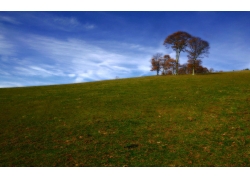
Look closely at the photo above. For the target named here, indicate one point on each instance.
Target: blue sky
(44, 48)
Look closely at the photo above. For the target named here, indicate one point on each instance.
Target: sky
(63, 47)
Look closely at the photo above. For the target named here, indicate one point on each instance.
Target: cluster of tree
(180, 41)
(165, 65)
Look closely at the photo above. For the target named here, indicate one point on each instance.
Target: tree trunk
(177, 62)
(193, 66)
(158, 68)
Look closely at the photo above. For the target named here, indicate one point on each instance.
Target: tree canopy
(156, 63)
(181, 41)
(196, 49)
(178, 42)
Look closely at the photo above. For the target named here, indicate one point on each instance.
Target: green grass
(185, 120)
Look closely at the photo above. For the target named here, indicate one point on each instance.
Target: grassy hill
(185, 120)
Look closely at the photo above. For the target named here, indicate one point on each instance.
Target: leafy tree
(196, 49)
(205, 70)
(164, 64)
(156, 63)
(195, 65)
(178, 42)
(169, 72)
(183, 69)
(211, 70)
(171, 65)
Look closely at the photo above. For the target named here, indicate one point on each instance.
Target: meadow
(154, 121)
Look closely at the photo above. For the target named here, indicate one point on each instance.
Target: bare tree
(196, 49)
(178, 42)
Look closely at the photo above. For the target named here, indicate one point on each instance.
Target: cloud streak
(83, 61)
(39, 48)
(9, 20)
(6, 47)
(69, 24)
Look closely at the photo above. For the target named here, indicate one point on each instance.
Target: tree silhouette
(178, 42)
(196, 48)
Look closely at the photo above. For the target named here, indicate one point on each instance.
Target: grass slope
(184, 120)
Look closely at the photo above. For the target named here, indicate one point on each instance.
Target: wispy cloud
(230, 54)
(4, 73)
(40, 70)
(49, 21)
(70, 23)
(65, 23)
(4, 84)
(84, 61)
(9, 20)
(89, 26)
(6, 47)
(57, 48)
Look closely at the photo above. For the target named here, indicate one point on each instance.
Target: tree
(164, 64)
(171, 64)
(211, 70)
(205, 70)
(195, 65)
(183, 69)
(178, 42)
(196, 48)
(156, 63)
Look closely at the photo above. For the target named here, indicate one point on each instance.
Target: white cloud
(9, 20)
(68, 23)
(71, 75)
(37, 70)
(79, 79)
(232, 54)
(73, 59)
(4, 84)
(86, 61)
(6, 47)
(51, 21)
(89, 26)
(2, 72)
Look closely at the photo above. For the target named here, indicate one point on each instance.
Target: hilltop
(184, 120)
